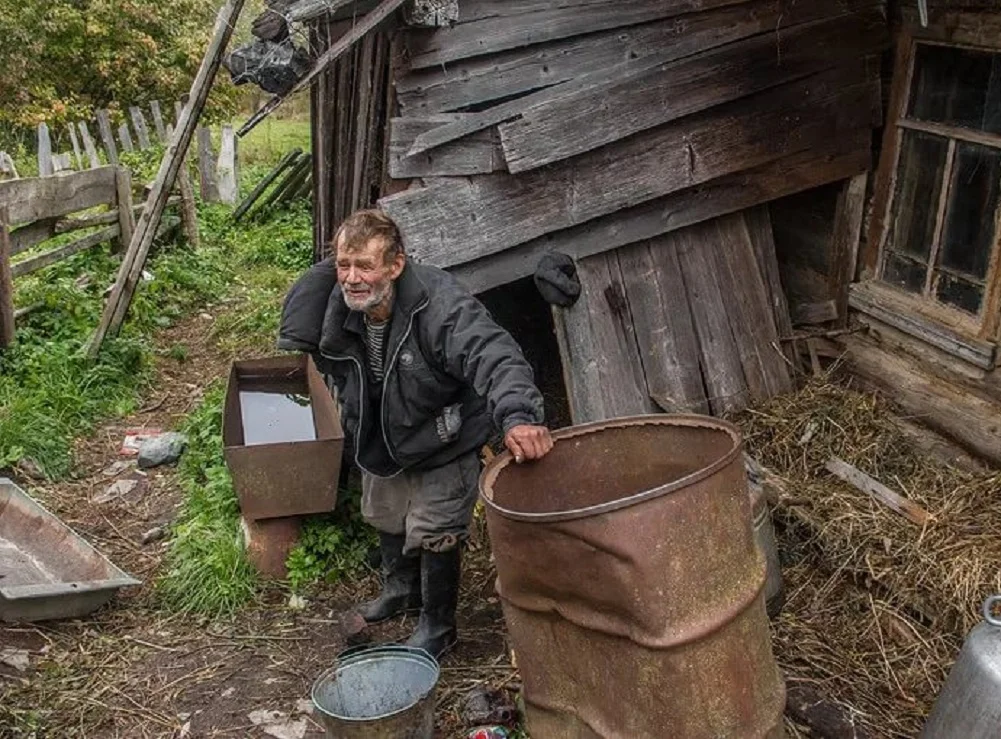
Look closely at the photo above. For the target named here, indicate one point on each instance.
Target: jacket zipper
(392, 362)
(361, 405)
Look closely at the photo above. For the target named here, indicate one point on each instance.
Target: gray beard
(371, 302)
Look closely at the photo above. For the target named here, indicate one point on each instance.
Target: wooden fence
(218, 173)
(35, 210)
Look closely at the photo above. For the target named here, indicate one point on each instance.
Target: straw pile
(940, 572)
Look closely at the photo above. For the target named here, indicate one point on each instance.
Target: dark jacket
(452, 374)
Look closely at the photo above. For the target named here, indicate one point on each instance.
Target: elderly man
(423, 375)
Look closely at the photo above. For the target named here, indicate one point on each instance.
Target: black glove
(556, 279)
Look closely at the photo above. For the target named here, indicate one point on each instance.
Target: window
(941, 234)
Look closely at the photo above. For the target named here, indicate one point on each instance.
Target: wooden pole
(6, 282)
(135, 258)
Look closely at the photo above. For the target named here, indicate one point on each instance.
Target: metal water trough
(283, 478)
(47, 571)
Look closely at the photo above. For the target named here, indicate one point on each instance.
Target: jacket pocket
(448, 423)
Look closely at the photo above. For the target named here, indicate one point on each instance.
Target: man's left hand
(528, 442)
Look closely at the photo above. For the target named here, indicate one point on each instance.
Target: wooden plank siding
(452, 222)
(477, 154)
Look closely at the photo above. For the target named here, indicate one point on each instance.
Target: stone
(16, 658)
(154, 534)
(163, 449)
(117, 489)
(30, 468)
(116, 468)
(278, 724)
(297, 603)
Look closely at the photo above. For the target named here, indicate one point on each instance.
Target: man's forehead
(373, 247)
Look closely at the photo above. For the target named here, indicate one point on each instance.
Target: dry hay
(943, 570)
(860, 651)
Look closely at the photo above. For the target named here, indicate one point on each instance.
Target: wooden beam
(878, 491)
(63, 252)
(452, 222)
(492, 34)
(371, 21)
(6, 282)
(479, 153)
(135, 258)
(518, 71)
(595, 117)
(835, 159)
(848, 217)
(35, 198)
(104, 127)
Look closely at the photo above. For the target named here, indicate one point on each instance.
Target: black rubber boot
(440, 575)
(401, 587)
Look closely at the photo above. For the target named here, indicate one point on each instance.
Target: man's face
(365, 277)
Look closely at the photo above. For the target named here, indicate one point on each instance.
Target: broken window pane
(919, 182)
(904, 273)
(958, 87)
(973, 202)
(959, 293)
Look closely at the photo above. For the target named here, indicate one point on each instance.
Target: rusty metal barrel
(631, 585)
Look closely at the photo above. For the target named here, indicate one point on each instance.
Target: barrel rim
(354, 657)
(493, 469)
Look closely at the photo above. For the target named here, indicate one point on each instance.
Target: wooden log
(135, 257)
(126, 217)
(662, 320)
(814, 313)
(848, 216)
(77, 154)
(107, 137)
(492, 34)
(88, 145)
(878, 491)
(593, 118)
(833, 160)
(479, 153)
(125, 137)
(6, 281)
(452, 222)
(45, 259)
(722, 371)
(36, 198)
(141, 128)
(518, 71)
(161, 130)
(227, 182)
(44, 151)
(206, 166)
(286, 161)
(369, 23)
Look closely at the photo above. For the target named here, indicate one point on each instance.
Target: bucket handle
(989, 616)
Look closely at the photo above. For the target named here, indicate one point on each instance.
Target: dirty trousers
(431, 507)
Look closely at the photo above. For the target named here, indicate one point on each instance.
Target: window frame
(986, 325)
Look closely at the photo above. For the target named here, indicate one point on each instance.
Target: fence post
(161, 132)
(104, 126)
(226, 171)
(44, 151)
(6, 282)
(88, 145)
(206, 166)
(126, 216)
(142, 130)
(76, 146)
(125, 137)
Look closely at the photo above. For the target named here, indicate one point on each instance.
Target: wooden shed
(704, 162)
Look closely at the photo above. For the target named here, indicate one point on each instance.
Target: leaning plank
(458, 221)
(88, 145)
(44, 151)
(161, 129)
(517, 71)
(369, 23)
(833, 160)
(35, 198)
(592, 118)
(57, 255)
(492, 34)
(125, 136)
(142, 129)
(858, 479)
(662, 320)
(848, 218)
(720, 358)
(77, 155)
(479, 153)
(759, 228)
(287, 161)
(135, 257)
(6, 282)
(107, 138)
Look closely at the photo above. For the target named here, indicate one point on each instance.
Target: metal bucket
(764, 537)
(631, 585)
(378, 693)
(968, 706)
